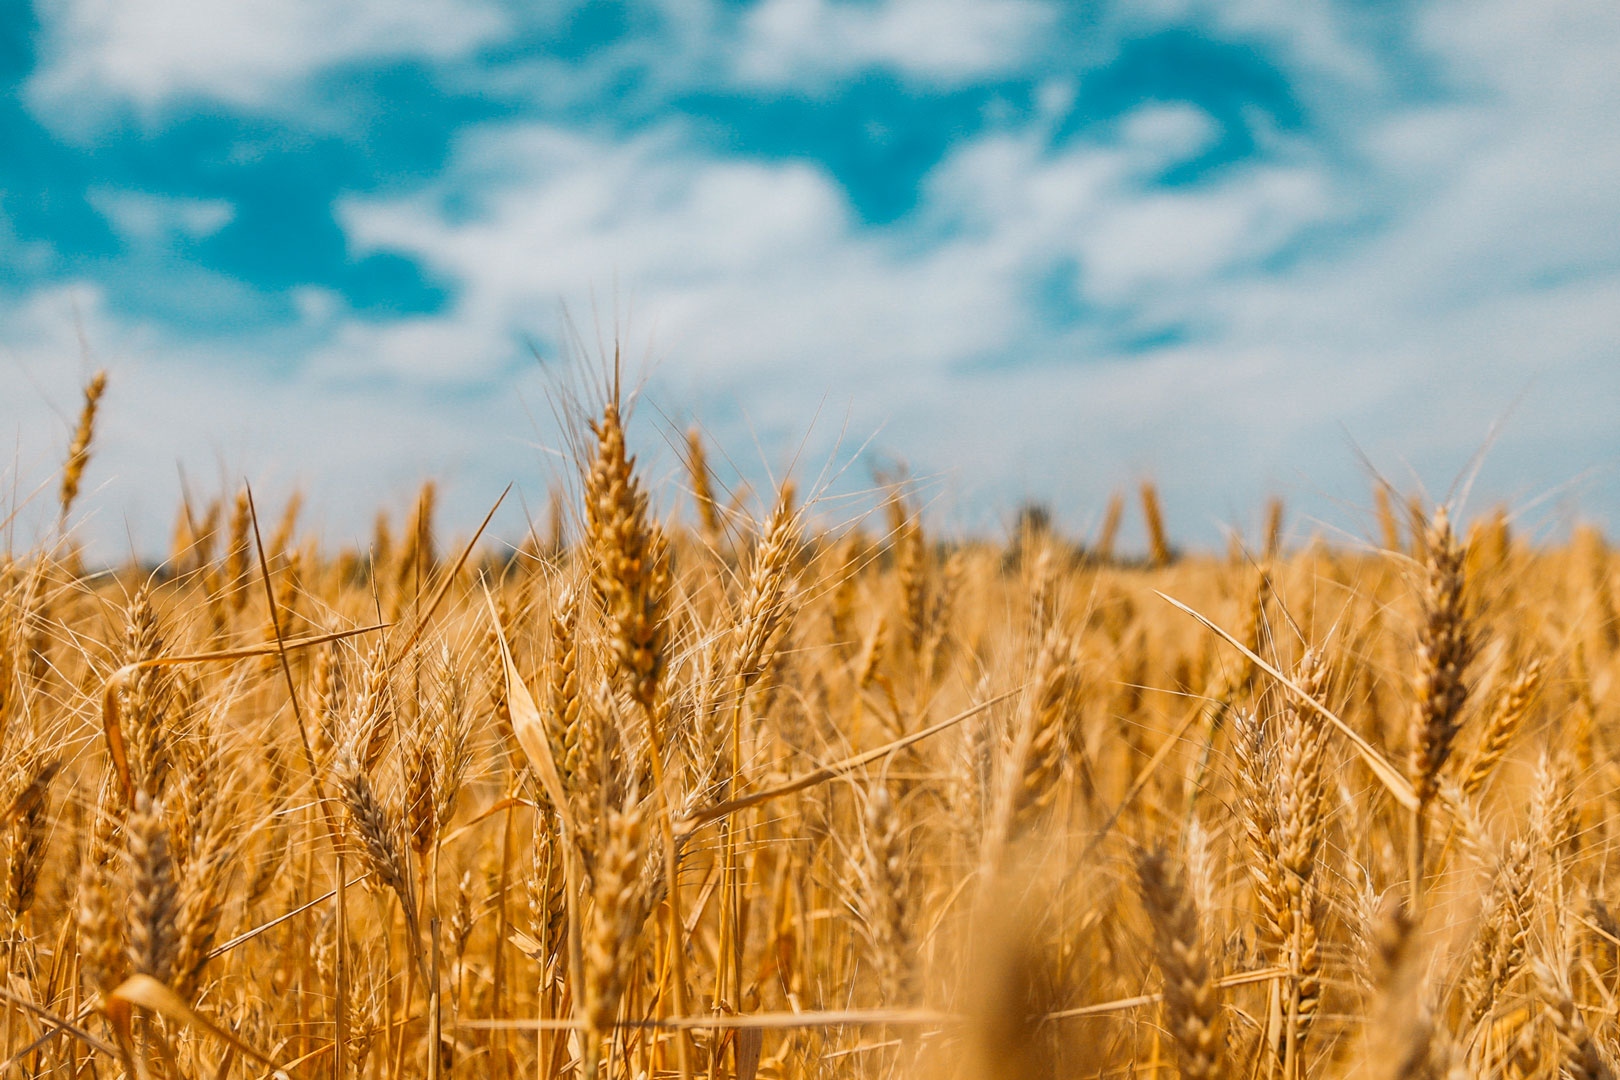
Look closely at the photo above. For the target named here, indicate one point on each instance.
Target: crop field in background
(680, 788)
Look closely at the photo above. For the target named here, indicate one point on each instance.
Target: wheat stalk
(79, 449)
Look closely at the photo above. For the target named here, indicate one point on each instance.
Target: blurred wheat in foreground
(763, 796)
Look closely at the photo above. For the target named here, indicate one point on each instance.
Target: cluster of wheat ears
(763, 796)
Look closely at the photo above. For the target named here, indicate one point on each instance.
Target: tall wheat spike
(78, 457)
(1446, 646)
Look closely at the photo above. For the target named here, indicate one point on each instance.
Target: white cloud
(1167, 134)
(148, 53)
(946, 41)
(680, 232)
(24, 258)
(1176, 238)
(1136, 241)
(754, 267)
(148, 218)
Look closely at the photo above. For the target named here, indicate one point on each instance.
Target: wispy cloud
(153, 55)
(799, 42)
(142, 217)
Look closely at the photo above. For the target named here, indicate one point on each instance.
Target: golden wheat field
(679, 789)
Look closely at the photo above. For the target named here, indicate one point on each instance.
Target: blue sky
(1033, 249)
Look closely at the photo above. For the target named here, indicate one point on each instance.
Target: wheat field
(679, 788)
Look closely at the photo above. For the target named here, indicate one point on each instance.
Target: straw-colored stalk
(1445, 647)
(79, 449)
